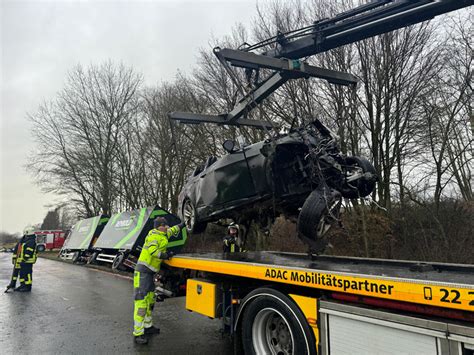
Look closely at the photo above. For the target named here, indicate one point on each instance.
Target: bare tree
(78, 135)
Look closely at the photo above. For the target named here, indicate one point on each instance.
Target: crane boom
(365, 21)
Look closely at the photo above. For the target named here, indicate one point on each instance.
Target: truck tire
(320, 210)
(361, 187)
(190, 218)
(92, 258)
(40, 248)
(76, 257)
(273, 324)
(117, 264)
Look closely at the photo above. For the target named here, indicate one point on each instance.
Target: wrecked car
(301, 174)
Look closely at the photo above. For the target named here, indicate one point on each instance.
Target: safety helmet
(233, 226)
(28, 231)
(160, 221)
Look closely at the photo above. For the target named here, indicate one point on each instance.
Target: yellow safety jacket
(155, 243)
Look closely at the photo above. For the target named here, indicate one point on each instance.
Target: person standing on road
(24, 257)
(16, 265)
(149, 262)
(231, 242)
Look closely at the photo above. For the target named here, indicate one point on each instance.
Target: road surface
(77, 310)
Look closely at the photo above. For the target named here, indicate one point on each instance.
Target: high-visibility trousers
(26, 274)
(144, 294)
(15, 273)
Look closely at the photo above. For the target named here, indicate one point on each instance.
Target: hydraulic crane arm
(362, 22)
(284, 70)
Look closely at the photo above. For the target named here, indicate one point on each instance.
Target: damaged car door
(230, 181)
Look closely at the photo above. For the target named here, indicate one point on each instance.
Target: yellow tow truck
(287, 303)
(282, 303)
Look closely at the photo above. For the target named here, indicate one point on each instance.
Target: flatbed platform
(433, 284)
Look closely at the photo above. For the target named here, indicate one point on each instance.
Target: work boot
(141, 339)
(9, 287)
(152, 330)
(23, 288)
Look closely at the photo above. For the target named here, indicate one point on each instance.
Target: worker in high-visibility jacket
(25, 258)
(16, 265)
(232, 242)
(149, 262)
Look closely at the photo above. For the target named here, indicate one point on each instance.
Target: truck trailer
(121, 241)
(82, 237)
(289, 303)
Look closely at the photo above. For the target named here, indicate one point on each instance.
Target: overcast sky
(42, 40)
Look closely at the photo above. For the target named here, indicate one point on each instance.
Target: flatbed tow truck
(287, 303)
(282, 303)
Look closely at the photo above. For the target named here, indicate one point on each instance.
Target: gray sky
(42, 40)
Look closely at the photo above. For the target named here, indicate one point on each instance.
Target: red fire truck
(50, 239)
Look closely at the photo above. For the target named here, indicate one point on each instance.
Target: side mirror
(229, 145)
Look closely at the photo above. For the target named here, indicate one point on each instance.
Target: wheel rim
(326, 222)
(189, 215)
(271, 333)
(117, 261)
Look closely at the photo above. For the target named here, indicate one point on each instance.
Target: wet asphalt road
(77, 310)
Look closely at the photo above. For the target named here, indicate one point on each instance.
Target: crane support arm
(363, 22)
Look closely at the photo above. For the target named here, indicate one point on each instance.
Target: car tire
(40, 248)
(273, 324)
(190, 218)
(320, 210)
(362, 187)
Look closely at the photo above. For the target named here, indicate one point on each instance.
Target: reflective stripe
(148, 266)
(28, 248)
(138, 226)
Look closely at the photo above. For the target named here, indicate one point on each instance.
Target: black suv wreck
(300, 174)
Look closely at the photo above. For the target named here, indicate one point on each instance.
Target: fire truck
(50, 239)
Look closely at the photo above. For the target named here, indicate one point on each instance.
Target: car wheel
(190, 218)
(40, 248)
(360, 187)
(273, 324)
(319, 212)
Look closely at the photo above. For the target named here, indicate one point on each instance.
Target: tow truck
(287, 303)
(283, 303)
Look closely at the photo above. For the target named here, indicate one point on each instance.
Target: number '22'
(455, 299)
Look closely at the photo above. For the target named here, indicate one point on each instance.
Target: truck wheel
(92, 258)
(360, 187)
(319, 212)
(76, 257)
(117, 264)
(190, 218)
(273, 324)
(40, 248)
